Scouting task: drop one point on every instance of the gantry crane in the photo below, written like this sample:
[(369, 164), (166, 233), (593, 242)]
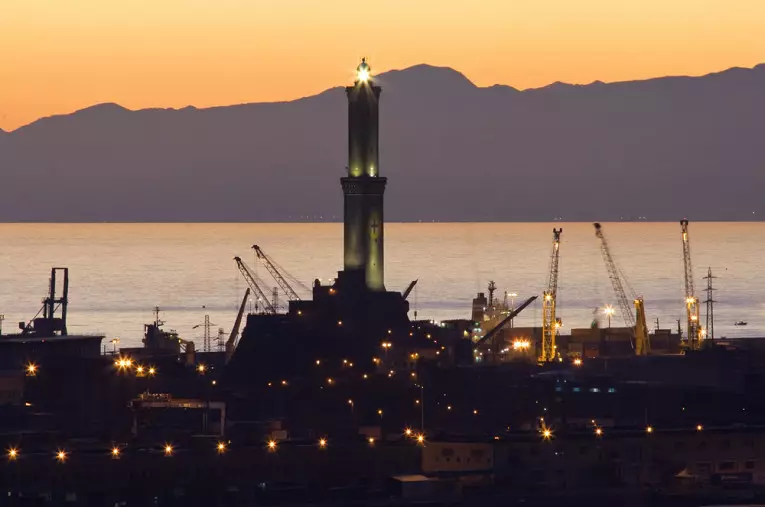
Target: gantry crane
[(252, 280), (550, 324), (691, 301), (637, 321), (271, 267)]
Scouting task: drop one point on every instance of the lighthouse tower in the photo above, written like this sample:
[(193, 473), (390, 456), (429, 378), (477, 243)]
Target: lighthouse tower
[(363, 187)]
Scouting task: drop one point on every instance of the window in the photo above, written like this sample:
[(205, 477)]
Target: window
[(727, 466), (594, 389)]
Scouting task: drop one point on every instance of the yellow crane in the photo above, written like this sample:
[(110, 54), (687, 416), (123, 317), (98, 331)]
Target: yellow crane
[(637, 321), (550, 324), (695, 332)]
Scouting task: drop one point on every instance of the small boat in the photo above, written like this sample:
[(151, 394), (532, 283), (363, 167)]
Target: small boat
[(740, 323)]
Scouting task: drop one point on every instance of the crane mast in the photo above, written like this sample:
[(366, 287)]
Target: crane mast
[(285, 286), (550, 324), (691, 301), (252, 281), (636, 320)]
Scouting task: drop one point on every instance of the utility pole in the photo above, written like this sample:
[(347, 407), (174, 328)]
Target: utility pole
[(710, 302), (207, 342), (221, 339), (2, 318)]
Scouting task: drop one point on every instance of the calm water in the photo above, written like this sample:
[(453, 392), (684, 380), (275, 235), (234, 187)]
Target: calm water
[(119, 272)]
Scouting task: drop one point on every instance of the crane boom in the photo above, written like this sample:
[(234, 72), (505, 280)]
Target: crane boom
[(691, 301), (505, 321), (550, 324), (637, 320), (231, 342), (286, 287), (252, 281), (409, 289), (616, 281)]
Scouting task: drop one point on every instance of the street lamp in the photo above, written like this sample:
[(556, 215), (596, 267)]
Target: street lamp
[(609, 310), (512, 295)]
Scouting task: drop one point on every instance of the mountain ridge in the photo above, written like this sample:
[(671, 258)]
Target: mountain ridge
[(657, 148), (413, 68)]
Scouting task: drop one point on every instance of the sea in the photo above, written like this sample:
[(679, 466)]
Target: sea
[(120, 272)]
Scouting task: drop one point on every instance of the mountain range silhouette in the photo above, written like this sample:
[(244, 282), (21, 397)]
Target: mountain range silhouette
[(662, 149)]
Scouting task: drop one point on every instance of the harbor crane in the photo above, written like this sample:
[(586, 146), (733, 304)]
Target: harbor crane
[(233, 339), (637, 321), (271, 268), (550, 324), (695, 332), (252, 280)]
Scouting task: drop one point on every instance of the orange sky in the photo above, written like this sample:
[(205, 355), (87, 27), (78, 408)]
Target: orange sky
[(60, 55)]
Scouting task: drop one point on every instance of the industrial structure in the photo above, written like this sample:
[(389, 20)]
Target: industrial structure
[(551, 324), (642, 343), (693, 328)]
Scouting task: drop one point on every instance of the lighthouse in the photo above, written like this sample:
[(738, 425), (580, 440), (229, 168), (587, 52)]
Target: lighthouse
[(363, 187)]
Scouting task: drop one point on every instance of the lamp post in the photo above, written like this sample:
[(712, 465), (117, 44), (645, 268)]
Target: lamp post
[(609, 310)]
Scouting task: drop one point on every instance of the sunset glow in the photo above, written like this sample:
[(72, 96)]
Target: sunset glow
[(61, 56)]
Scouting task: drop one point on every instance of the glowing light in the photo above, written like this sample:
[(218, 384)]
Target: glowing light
[(221, 447), (577, 362), (201, 368), (365, 376), (139, 370), (475, 412), (339, 322), (649, 429), (330, 381), (362, 71), (448, 407), (322, 443), (31, 369), (408, 432), (115, 452), (521, 344), (371, 440), (152, 370), (13, 453), (318, 362), (599, 431), (272, 445), (61, 455), (699, 427), (284, 382), (546, 433), (609, 310), (123, 363), (168, 450), (420, 438)]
